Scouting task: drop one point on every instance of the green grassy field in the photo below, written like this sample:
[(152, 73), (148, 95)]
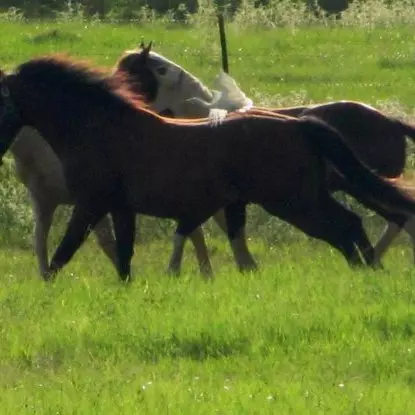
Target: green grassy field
[(304, 335)]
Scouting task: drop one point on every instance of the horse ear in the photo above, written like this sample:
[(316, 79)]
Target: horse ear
[(142, 45), (146, 51)]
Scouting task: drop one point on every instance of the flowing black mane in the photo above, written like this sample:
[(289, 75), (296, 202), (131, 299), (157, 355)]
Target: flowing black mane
[(71, 77)]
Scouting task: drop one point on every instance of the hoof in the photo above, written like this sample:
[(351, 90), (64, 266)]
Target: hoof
[(206, 272), (173, 272), (126, 279), (250, 267), (49, 276)]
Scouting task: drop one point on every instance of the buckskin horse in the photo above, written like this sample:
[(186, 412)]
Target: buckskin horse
[(121, 158), (378, 139)]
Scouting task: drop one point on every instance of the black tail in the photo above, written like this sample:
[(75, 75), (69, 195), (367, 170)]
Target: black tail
[(331, 145)]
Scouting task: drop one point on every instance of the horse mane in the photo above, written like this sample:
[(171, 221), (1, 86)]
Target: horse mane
[(99, 86)]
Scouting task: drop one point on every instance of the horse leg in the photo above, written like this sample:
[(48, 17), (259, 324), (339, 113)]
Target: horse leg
[(390, 232), (43, 213), (410, 228), (201, 250), (243, 257), (124, 227), (356, 233), (235, 216), (80, 224), (396, 222), (392, 229), (105, 237), (176, 257), (185, 227), (328, 221)]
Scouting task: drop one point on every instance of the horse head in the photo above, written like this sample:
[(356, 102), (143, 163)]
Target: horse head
[(166, 72), (135, 64), (155, 76)]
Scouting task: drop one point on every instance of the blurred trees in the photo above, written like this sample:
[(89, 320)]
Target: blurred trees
[(126, 9)]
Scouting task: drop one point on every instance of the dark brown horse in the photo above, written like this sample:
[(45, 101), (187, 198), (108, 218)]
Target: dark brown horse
[(121, 158), (378, 139)]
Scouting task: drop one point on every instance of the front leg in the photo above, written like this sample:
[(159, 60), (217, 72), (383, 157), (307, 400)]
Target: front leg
[(105, 237), (124, 227), (83, 219)]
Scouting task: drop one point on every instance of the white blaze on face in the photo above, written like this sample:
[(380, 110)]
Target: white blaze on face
[(166, 72)]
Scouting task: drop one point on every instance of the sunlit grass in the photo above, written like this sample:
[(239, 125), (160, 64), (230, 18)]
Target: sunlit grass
[(303, 335)]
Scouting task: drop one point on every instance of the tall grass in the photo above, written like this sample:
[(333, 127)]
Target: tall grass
[(250, 13)]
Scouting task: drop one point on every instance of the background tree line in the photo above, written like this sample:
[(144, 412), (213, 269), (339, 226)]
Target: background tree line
[(126, 9)]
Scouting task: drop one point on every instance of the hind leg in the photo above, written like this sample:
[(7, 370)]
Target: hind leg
[(185, 227), (43, 214), (410, 228), (356, 233), (390, 232), (105, 238), (328, 221), (202, 255), (235, 216), (79, 227), (396, 222), (124, 228), (243, 257)]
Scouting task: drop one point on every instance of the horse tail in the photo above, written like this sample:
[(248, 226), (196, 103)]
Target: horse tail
[(331, 145)]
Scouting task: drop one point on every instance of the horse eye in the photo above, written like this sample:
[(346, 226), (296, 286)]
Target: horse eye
[(161, 70)]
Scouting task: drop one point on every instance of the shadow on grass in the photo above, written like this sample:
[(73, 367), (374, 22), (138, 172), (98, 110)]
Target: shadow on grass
[(389, 329), (199, 347), (387, 63)]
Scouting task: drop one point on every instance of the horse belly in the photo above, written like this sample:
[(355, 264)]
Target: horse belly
[(38, 167), (287, 177), (179, 201)]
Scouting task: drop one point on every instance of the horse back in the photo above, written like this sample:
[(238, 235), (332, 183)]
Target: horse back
[(376, 138)]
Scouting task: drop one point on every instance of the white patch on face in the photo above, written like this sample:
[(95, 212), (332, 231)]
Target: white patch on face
[(166, 72)]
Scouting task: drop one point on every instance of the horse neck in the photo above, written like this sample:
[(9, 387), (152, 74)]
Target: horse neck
[(194, 88), (177, 98), (50, 129)]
